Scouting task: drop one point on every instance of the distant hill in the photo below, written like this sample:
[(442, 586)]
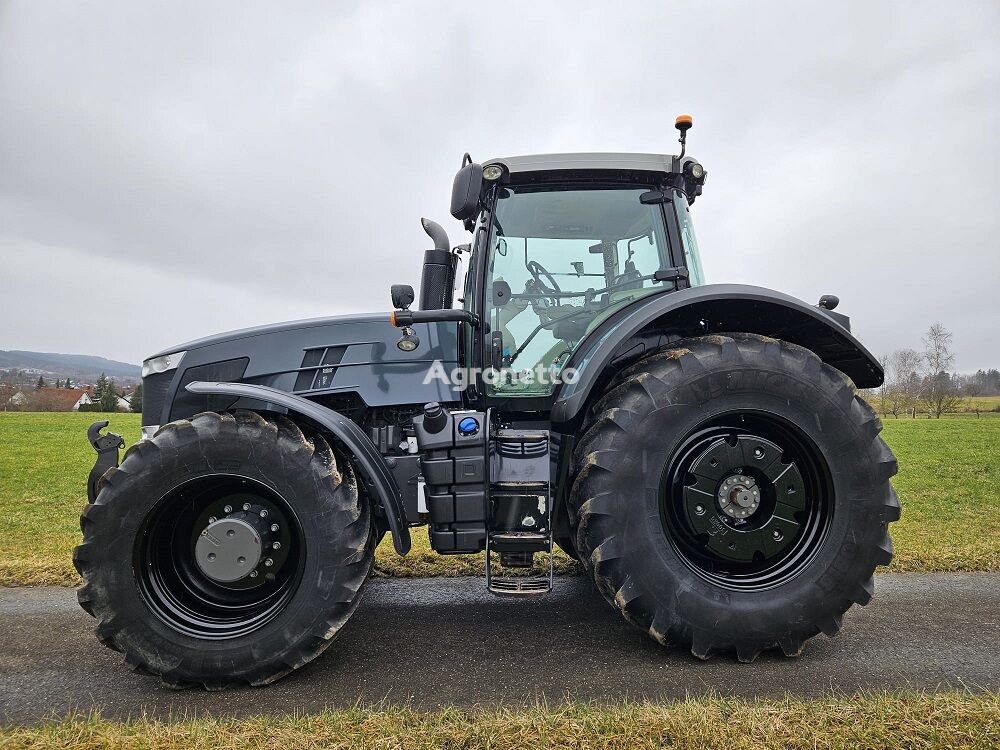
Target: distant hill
[(81, 367)]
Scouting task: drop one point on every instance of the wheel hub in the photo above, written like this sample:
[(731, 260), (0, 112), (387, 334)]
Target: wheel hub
[(237, 546), (739, 496), (228, 550)]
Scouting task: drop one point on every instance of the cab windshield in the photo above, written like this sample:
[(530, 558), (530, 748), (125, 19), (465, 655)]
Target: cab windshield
[(561, 261)]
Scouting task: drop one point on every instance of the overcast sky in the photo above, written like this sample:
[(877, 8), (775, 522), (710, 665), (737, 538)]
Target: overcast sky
[(170, 170)]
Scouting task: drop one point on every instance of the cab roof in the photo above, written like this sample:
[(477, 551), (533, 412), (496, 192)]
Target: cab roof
[(667, 169), (661, 163)]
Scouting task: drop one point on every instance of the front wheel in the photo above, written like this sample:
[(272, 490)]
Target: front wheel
[(732, 494), (226, 549)]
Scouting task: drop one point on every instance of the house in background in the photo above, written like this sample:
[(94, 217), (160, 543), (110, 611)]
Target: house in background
[(17, 401), (55, 399), (124, 402)]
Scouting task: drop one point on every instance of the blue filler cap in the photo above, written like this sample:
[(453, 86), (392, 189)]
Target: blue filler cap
[(468, 426)]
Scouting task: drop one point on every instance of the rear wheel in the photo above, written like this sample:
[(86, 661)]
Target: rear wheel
[(226, 549), (732, 494)]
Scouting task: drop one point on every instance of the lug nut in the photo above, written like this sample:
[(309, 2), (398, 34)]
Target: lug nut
[(211, 519), (253, 573), (274, 527), (777, 535), (246, 506), (263, 514), (699, 509), (758, 453), (268, 562), (276, 545), (228, 509)]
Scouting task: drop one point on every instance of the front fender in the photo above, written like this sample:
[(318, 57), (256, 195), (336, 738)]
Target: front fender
[(715, 308), (374, 472)]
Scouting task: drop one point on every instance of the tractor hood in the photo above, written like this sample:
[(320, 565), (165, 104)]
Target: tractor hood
[(347, 359), (272, 328)]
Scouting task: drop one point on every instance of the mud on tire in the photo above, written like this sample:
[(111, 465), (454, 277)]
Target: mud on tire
[(330, 532), (641, 488)]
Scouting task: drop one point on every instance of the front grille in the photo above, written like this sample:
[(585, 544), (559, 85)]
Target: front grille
[(154, 395), (187, 404)]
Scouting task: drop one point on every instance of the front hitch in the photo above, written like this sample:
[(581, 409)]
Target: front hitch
[(107, 447)]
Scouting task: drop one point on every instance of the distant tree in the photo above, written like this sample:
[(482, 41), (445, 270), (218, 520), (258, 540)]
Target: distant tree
[(136, 402), (105, 396), (989, 381), (905, 369), (68, 384), (40, 384), (973, 388), (6, 391), (900, 390), (939, 393), (109, 397)]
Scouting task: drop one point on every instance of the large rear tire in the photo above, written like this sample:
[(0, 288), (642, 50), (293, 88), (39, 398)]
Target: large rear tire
[(229, 548), (732, 494)]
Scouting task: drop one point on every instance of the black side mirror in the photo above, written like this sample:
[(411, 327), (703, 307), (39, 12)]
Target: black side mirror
[(402, 296), (466, 192)]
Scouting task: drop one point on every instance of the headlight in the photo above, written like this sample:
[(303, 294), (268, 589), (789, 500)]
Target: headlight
[(696, 171), (162, 364)]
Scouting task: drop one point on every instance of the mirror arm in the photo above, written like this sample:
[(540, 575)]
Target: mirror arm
[(403, 318)]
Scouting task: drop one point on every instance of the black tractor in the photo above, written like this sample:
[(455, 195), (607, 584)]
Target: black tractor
[(699, 448)]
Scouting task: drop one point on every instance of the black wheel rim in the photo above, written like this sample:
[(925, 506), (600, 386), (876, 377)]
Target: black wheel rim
[(170, 566), (747, 500)]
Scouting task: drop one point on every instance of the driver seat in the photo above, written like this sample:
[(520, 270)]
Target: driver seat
[(629, 279)]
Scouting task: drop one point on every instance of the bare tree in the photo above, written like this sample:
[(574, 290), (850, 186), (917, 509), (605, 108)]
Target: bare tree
[(907, 365), (973, 388), (900, 392), (939, 392)]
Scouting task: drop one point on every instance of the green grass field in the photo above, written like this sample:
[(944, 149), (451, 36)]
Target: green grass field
[(891, 721), (949, 482)]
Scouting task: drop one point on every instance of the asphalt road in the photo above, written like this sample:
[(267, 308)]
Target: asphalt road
[(447, 641)]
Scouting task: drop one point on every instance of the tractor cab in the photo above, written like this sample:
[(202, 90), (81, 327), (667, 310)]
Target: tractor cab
[(566, 246)]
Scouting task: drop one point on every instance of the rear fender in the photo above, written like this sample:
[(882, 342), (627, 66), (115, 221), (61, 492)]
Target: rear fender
[(374, 471), (703, 310)]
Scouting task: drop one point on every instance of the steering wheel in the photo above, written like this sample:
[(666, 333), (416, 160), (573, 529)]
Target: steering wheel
[(537, 271)]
